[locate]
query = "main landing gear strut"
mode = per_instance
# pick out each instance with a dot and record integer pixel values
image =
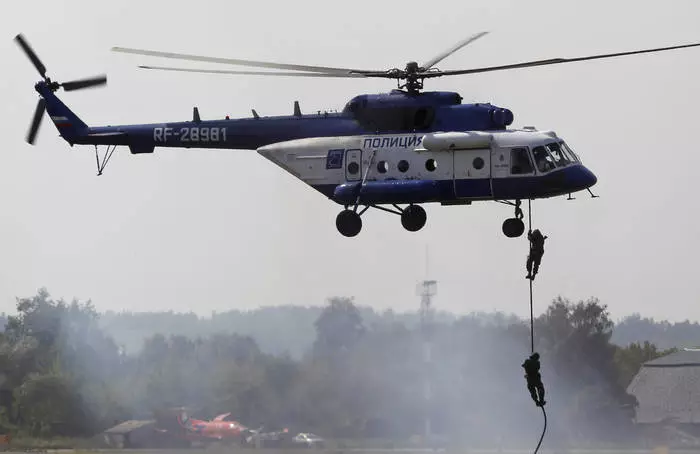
(349, 222)
(514, 227)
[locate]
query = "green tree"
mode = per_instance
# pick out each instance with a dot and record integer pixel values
(629, 359)
(576, 336)
(47, 404)
(338, 328)
(56, 348)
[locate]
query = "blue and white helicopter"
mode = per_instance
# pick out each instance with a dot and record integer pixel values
(405, 147)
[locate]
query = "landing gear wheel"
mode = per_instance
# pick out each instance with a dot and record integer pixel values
(513, 227)
(348, 223)
(413, 218)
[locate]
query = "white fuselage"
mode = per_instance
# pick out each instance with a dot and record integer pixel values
(475, 166)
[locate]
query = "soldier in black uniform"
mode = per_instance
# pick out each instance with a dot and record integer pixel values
(534, 379)
(536, 252)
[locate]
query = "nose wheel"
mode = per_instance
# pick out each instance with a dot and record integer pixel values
(514, 227)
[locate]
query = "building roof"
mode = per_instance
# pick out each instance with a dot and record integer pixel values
(668, 389)
(685, 357)
(128, 426)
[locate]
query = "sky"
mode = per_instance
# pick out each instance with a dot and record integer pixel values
(212, 230)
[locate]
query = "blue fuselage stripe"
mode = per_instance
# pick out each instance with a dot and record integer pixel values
(559, 182)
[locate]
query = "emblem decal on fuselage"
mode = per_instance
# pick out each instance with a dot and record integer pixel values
(335, 159)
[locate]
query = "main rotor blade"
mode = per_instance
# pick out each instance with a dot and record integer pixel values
(551, 61)
(250, 73)
(36, 121)
(31, 54)
(432, 62)
(84, 83)
(234, 61)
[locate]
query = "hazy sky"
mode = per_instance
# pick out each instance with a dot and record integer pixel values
(207, 230)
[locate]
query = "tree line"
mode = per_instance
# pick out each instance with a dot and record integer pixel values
(290, 329)
(361, 376)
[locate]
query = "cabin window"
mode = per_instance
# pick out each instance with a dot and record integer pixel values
(543, 160)
(478, 163)
(520, 162)
(430, 165)
(561, 158)
(353, 168)
(382, 167)
(403, 165)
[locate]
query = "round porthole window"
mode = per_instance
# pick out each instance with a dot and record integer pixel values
(353, 168)
(403, 165)
(478, 163)
(430, 165)
(382, 167)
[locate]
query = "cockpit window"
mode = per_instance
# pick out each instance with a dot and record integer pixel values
(543, 160)
(569, 151)
(561, 158)
(520, 162)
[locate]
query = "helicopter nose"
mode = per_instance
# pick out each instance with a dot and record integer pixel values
(580, 178)
(569, 179)
(588, 177)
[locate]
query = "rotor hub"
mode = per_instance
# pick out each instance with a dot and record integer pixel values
(52, 85)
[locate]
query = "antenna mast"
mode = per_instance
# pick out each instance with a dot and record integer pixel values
(427, 289)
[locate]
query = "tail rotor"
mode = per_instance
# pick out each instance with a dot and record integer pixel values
(31, 55)
(79, 84)
(72, 85)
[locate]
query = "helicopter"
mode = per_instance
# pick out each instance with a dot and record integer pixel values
(405, 147)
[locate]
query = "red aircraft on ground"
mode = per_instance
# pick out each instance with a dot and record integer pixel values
(218, 429)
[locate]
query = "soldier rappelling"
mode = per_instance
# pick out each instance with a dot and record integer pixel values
(536, 252)
(534, 379)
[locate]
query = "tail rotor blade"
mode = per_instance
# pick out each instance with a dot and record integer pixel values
(31, 54)
(36, 122)
(84, 83)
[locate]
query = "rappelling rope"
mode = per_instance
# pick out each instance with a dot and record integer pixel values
(532, 317)
(544, 429)
(532, 327)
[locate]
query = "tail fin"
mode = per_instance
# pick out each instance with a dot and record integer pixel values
(69, 125)
(222, 417)
(183, 419)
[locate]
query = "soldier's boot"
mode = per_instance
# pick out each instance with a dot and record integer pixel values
(540, 392)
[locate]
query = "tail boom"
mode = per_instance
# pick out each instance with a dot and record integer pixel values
(237, 134)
